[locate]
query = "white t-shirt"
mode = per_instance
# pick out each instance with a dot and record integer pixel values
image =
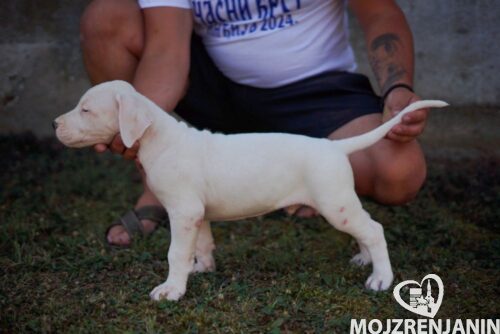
(271, 43)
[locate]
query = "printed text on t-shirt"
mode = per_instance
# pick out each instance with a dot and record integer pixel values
(237, 18)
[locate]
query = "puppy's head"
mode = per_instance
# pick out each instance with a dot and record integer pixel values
(102, 112)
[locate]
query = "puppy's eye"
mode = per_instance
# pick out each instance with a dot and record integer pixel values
(85, 110)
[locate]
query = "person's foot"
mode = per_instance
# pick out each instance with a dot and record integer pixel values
(301, 211)
(118, 235)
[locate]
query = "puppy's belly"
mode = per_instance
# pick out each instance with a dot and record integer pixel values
(234, 209)
(222, 214)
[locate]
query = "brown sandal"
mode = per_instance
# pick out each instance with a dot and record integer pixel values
(131, 221)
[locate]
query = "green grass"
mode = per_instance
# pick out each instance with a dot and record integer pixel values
(275, 274)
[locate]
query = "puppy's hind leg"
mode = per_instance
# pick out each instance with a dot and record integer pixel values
(349, 217)
(382, 275)
(363, 257)
(204, 247)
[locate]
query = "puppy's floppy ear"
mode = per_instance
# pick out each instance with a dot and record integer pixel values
(133, 119)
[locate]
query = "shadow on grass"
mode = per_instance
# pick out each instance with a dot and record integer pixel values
(275, 273)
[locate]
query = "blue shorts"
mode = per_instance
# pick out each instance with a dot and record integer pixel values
(315, 106)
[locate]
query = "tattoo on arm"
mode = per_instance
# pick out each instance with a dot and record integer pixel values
(383, 59)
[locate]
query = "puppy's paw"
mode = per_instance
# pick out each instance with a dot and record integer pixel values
(361, 259)
(379, 282)
(167, 291)
(204, 264)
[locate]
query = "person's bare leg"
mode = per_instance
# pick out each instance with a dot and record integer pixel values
(117, 235)
(389, 172)
(112, 42)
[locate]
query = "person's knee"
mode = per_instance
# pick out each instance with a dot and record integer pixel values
(400, 179)
(109, 20)
(96, 20)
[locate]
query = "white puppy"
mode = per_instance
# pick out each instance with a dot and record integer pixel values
(200, 176)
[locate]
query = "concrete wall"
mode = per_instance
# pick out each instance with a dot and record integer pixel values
(457, 56)
(456, 48)
(41, 68)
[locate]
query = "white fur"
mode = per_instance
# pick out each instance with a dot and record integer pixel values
(200, 176)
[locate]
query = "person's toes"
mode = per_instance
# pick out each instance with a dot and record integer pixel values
(122, 239)
(306, 212)
(117, 235)
(292, 209)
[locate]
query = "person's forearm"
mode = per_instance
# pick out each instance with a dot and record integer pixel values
(162, 72)
(162, 77)
(390, 49)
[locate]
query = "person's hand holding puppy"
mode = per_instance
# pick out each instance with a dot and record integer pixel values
(117, 146)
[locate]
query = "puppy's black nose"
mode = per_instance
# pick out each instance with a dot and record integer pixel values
(54, 124)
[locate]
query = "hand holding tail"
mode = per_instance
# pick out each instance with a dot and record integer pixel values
(357, 143)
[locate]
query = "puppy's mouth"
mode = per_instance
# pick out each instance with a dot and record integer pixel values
(70, 141)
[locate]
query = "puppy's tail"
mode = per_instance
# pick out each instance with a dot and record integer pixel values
(353, 144)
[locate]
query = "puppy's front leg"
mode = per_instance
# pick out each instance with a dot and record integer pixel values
(184, 230)
(204, 247)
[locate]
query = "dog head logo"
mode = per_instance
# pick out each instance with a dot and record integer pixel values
(423, 298)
